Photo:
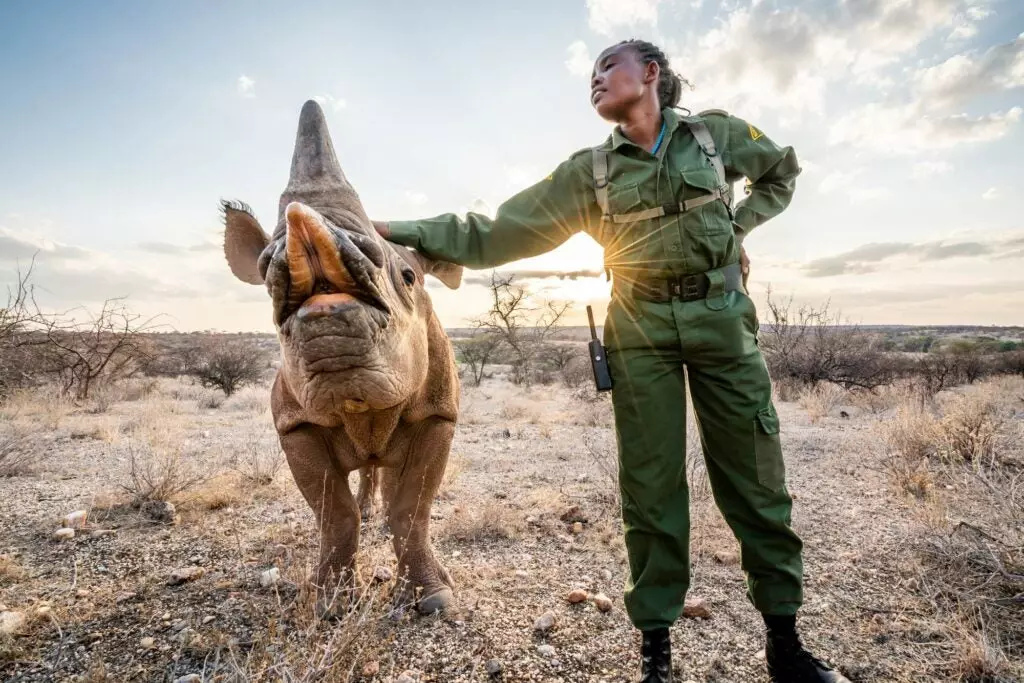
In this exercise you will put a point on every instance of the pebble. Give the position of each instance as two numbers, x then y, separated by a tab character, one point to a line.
147	643
573	514
100	533
407	677
603	602
577	527
64	534
208	618
270	577
727	558
11	622
577	596
696	608
190	678
544	622
43	610
184	575
546	650
166	616
160	510
606	574
75	520
493	667
371	668
81	593
382	575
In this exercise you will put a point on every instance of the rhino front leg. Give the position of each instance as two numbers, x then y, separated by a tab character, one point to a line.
409	516
327	492
369	478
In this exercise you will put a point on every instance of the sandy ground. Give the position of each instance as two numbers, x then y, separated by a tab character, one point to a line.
101	605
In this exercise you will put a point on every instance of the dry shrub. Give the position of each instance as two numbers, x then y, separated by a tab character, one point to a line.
210	401
17	454
820	400
882	399
593	409
159	475
513	410
974	428
10	570
487	522
218	492
249	400
911	438
260	460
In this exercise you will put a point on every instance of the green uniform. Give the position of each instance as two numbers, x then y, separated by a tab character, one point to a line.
650	342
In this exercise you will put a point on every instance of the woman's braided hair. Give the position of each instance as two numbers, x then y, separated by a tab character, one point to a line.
670	84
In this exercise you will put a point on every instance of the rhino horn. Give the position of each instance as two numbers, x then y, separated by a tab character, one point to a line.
316	177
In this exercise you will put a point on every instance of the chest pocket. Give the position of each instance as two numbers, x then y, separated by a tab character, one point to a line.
624	199
711	218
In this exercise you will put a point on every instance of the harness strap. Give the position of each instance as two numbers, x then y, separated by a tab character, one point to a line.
600	163
702	135
667	210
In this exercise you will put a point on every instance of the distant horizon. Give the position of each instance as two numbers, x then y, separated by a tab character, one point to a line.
906	119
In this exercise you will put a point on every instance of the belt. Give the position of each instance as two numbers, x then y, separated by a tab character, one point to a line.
685	287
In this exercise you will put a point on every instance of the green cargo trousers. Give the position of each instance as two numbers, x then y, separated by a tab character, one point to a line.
715	339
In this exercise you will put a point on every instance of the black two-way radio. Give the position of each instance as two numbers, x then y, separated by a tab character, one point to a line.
598	358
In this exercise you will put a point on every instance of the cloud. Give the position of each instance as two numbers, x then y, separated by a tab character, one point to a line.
845	183
906	129
866	258
415	198
964	76
246	86
521	177
604	16
168	249
741	65
330	101
927	169
990	194
485	279
15	246
932	118
579	61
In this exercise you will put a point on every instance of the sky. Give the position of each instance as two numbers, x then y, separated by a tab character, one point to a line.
123	124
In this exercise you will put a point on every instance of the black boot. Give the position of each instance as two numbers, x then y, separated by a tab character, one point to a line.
656	657
788	661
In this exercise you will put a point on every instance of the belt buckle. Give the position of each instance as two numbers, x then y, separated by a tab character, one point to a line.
690	288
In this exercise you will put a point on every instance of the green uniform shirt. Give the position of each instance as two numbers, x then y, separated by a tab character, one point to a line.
542	217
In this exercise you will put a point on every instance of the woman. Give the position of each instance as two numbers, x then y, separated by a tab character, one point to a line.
654	197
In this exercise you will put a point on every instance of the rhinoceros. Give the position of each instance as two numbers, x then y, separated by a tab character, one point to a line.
367	379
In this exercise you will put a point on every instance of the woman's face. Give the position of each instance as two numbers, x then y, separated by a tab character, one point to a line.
619	81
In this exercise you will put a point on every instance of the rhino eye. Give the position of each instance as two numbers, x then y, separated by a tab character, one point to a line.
409	277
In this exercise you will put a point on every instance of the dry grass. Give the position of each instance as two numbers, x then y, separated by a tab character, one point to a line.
820	400
253	399
486	522
972	552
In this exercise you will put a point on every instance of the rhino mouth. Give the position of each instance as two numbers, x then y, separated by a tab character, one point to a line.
331	271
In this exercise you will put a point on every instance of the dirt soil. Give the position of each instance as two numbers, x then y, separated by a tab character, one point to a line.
528	513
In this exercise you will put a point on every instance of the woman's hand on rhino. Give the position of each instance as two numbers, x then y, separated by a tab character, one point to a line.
382	228
744	265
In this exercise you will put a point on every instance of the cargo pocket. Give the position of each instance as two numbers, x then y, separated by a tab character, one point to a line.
771	469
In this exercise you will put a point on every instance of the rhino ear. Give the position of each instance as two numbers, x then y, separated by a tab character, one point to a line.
448	273
244	241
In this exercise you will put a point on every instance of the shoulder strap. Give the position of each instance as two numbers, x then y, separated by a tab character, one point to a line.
600	163
707	144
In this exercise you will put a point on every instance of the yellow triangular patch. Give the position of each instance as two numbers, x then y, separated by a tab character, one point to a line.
754	132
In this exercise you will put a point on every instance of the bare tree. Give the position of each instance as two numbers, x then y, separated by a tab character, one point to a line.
477	352
19	320
103	348
231	366
522	326
810	345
